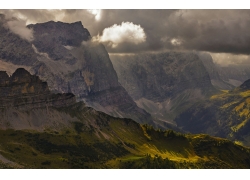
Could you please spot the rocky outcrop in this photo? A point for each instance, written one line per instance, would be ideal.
(25, 91)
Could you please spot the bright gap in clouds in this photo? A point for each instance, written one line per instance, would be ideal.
(96, 13)
(225, 59)
(176, 42)
(126, 32)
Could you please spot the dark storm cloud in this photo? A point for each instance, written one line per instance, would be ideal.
(212, 30)
(218, 31)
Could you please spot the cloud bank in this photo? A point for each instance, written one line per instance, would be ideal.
(215, 31)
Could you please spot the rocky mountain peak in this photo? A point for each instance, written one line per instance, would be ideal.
(52, 37)
(71, 34)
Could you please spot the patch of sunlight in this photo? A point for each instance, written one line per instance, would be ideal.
(245, 93)
(237, 127)
(240, 106)
(229, 104)
(225, 91)
(248, 101)
(244, 112)
(239, 143)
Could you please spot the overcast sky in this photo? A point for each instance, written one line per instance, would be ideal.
(224, 33)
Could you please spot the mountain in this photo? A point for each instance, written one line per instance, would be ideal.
(63, 55)
(213, 72)
(40, 129)
(164, 84)
(225, 115)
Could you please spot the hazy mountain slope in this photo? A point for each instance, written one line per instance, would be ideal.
(212, 70)
(234, 74)
(164, 84)
(61, 55)
(225, 115)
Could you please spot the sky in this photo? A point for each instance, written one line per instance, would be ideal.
(223, 33)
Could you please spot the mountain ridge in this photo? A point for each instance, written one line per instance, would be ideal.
(63, 55)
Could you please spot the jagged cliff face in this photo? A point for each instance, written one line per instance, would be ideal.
(27, 103)
(163, 84)
(25, 91)
(62, 55)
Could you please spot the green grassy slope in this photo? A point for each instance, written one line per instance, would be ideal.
(102, 141)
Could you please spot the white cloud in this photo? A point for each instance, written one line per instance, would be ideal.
(19, 27)
(176, 42)
(126, 32)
